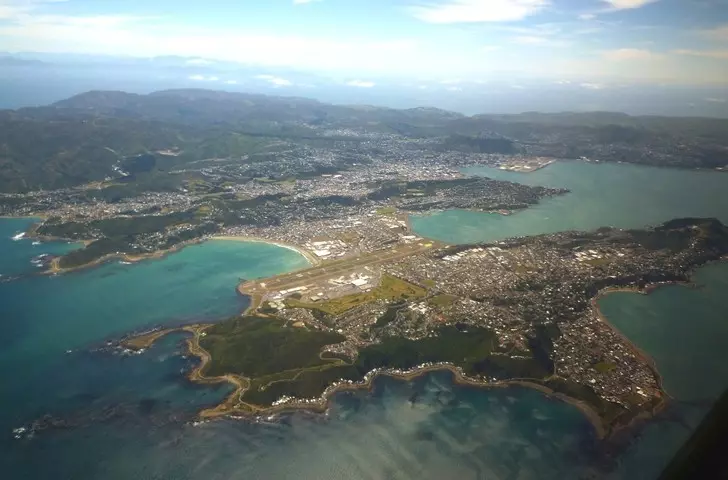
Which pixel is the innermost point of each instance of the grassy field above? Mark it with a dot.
(442, 300)
(604, 367)
(349, 236)
(390, 288)
(386, 211)
(598, 262)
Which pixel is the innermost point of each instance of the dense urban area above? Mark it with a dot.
(134, 176)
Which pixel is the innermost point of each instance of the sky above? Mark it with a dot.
(591, 42)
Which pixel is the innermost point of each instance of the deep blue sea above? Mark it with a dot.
(122, 417)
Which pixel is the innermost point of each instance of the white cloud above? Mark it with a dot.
(422, 57)
(719, 54)
(231, 82)
(587, 16)
(472, 11)
(146, 37)
(715, 100)
(592, 86)
(454, 89)
(530, 40)
(304, 2)
(536, 40)
(12, 9)
(451, 81)
(202, 78)
(622, 54)
(275, 81)
(199, 61)
(360, 84)
(628, 4)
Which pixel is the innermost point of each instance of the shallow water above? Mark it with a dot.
(50, 323)
(15, 255)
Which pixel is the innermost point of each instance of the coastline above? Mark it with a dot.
(233, 406)
(310, 257)
(647, 290)
(230, 406)
(18, 217)
(55, 268)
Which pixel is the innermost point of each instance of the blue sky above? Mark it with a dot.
(592, 42)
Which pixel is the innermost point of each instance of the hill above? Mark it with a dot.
(88, 137)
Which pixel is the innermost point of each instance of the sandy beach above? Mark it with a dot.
(55, 268)
(312, 259)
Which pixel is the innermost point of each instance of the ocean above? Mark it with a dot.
(117, 416)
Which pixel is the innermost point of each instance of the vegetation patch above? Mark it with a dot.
(442, 300)
(390, 288)
(608, 411)
(464, 346)
(598, 262)
(256, 347)
(386, 211)
(604, 367)
(390, 315)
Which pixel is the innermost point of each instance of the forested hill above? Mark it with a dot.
(89, 137)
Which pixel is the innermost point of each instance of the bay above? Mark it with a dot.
(684, 329)
(601, 194)
(50, 323)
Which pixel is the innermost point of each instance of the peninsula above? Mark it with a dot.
(519, 311)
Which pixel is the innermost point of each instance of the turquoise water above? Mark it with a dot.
(620, 195)
(684, 329)
(15, 256)
(49, 323)
(130, 415)
(196, 283)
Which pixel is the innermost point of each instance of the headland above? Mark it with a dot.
(404, 312)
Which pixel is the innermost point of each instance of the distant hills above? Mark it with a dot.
(82, 138)
(209, 107)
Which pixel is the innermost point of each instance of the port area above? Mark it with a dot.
(525, 164)
(331, 279)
